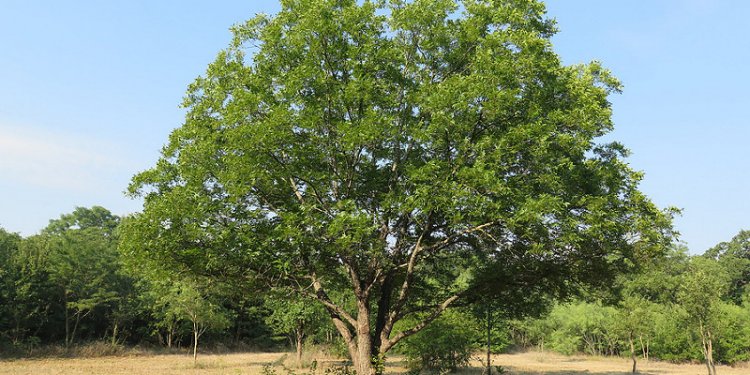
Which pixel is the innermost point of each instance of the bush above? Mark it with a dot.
(584, 328)
(733, 338)
(445, 345)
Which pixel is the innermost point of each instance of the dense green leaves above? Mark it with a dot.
(734, 255)
(373, 146)
(679, 307)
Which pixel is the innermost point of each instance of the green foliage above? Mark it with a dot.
(584, 328)
(294, 315)
(400, 154)
(82, 218)
(673, 339)
(84, 264)
(444, 346)
(733, 344)
(734, 257)
(703, 286)
(339, 370)
(9, 274)
(670, 310)
(190, 303)
(660, 279)
(30, 295)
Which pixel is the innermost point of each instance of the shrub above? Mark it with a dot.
(444, 346)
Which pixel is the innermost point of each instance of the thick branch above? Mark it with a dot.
(411, 264)
(296, 190)
(405, 286)
(359, 292)
(388, 344)
(332, 308)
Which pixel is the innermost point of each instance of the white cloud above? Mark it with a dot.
(46, 159)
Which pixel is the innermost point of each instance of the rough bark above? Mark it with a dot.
(384, 306)
(362, 358)
(299, 338)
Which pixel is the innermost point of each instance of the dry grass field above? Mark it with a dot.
(532, 363)
(535, 363)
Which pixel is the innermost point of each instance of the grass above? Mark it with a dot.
(530, 363)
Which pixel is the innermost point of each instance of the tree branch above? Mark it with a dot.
(386, 345)
(333, 309)
(451, 239)
(403, 293)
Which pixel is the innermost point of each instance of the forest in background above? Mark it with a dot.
(71, 285)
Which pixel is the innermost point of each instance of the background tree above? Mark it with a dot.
(195, 306)
(157, 298)
(295, 316)
(32, 297)
(10, 322)
(96, 217)
(85, 265)
(385, 149)
(734, 257)
(644, 296)
(703, 286)
(634, 321)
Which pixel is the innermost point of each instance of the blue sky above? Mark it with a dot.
(89, 91)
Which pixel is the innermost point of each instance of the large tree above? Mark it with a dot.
(390, 149)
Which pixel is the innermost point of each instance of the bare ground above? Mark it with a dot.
(531, 363)
(536, 363)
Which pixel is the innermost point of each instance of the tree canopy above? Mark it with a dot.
(401, 151)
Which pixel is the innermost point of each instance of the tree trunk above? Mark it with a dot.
(114, 334)
(643, 348)
(237, 332)
(75, 327)
(381, 318)
(632, 351)
(67, 320)
(17, 332)
(195, 342)
(488, 370)
(710, 359)
(299, 336)
(362, 356)
(707, 348)
(366, 346)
